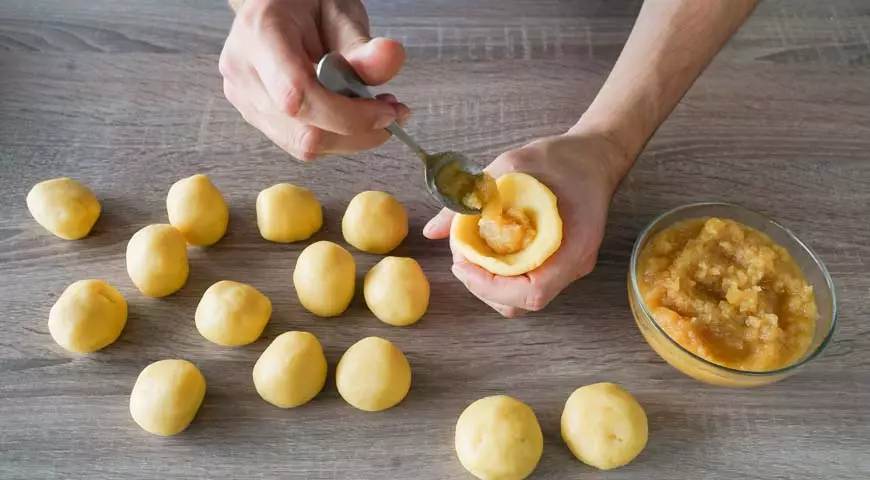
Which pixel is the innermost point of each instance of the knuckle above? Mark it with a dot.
(257, 18)
(307, 142)
(226, 65)
(512, 161)
(249, 18)
(301, 155)
(537, 300)
(521, 159)
(291, 97)
(582, 265)
(587, 266)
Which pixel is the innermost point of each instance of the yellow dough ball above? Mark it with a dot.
(499, 438)
(375, 222)
(291, 371)
(287, 213)
(88, 316)
(373, 375)
(519, 229)
(232, 314)
(157, 260)
(324, 278)
(198, 210)
(166, 396)
(604, 426)
(64, 207)
(397, 291)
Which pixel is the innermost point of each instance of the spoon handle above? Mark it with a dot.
(337, 75)
(403, 136)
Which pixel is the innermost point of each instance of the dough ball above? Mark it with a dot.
(375, 222)
(522, 194)
(64, 207)
(166, 396)
(232, 314)
(397, 291)
(373, 375)
(324, 278)
(157, 260)
(291, 371)
(198, 210)
(287, 213)
(88, 316)
(604, 426)
(499, 438)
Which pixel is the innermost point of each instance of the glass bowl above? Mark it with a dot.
(699, 368)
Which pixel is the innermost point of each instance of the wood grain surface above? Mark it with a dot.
(125, 96)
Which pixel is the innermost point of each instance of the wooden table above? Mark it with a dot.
(125, 96)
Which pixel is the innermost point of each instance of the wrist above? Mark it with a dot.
(627, 121)
(616, 154)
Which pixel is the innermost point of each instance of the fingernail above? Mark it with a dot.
(403, 113)
(427, 229)
(385, 121)
(388, 97)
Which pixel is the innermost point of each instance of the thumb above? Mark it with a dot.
(378, 60)
(346, 30)
(439, 227)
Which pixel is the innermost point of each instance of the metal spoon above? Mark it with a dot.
(450, 176)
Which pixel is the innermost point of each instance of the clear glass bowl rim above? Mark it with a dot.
(643, 237)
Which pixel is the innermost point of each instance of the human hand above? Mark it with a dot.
(583, 170)
(268, 67)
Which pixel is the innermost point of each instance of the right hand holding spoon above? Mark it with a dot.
(268, 67)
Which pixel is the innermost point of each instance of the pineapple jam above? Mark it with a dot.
(504, 231)
(728, 293)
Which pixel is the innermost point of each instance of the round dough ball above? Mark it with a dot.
(157, 260)
(397, 291)
(198, 210)
(291, 371)
(604, 426)
(232, 314)
(499, 438)
(287, 213)
(166, 396)
(64, 207)
(375, 222)
(519, 192)
(325, 278)
(373, 375)
(88, 316)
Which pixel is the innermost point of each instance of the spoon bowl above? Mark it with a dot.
(451, 177)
